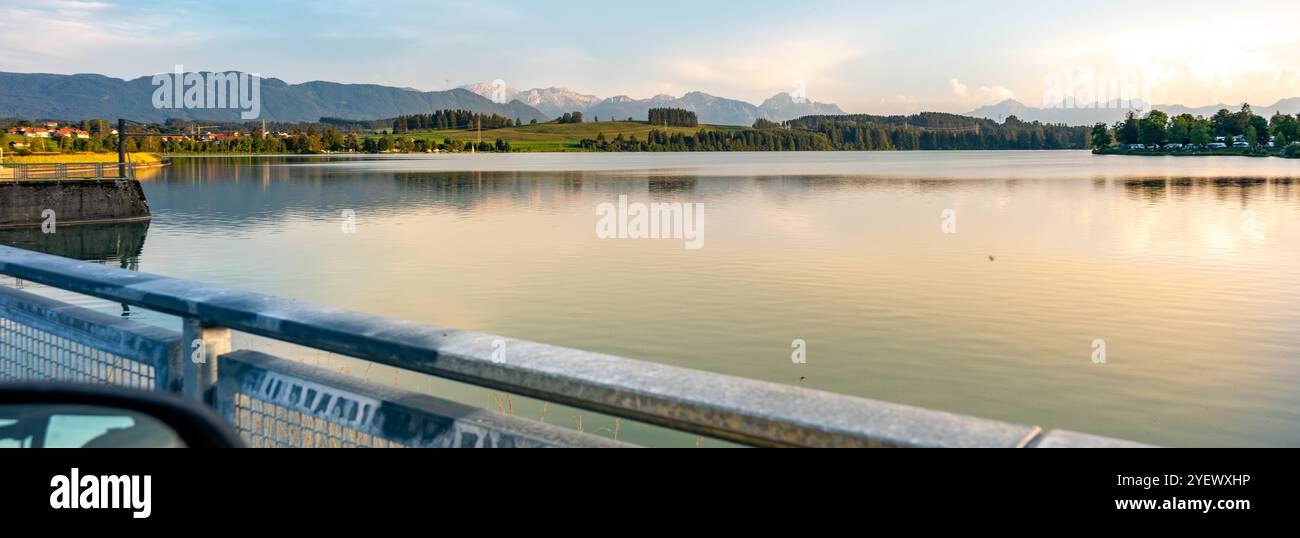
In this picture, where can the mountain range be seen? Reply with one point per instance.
(88, 96)
(710, 109)
(1114, 111)
(91, 96)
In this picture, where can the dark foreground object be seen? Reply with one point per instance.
(76, 415)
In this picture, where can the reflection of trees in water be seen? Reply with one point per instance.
(1243, 189)
(115, 243)
(672, 185)
(785, 188)
(1222, 189)
(245, 194)
(1148, 190)
(242, 193)
(466, 190)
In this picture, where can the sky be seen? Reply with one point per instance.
(866, 56)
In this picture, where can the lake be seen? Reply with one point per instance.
(1155, 299)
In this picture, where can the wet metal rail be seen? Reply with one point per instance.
(277, 402)
(14, 172)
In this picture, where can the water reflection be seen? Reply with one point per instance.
(1188, 269)
(250, 191)
(117, 244)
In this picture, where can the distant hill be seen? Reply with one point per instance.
(1113, 112)
(87, 96)
(709, 108)
(783, 107)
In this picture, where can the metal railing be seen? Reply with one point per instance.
(277, 402)
(44, 339)
(14, 172)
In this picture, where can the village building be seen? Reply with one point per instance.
(69, 132)
(30, 132)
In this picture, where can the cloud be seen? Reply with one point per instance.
(899, 104)
(47, 35)
(1231, 75)
(985, 95)
(759, 72)
(1252, 59)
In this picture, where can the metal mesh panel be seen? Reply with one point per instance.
(61, 171)
(266, 425)
(30, 354)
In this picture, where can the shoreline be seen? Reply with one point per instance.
(157, 160)
(1227, 152)
(165, 156)
(140, 159)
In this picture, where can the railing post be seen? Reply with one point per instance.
(201, 344)
(121, 148)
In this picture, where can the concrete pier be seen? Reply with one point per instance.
(25, 203)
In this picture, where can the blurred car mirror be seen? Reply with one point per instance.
(62, 415)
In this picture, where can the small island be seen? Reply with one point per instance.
(1241, 133)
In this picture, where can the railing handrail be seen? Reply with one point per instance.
(721, 406)
(13, 164)
(62, 171)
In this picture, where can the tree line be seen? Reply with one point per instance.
(674, 117)
(308, 140)
(927, 131)
(938, 131)
(812, 133)
(570, 117)
(708, 140)
(331, 135)
(451, 119)
(1156, 128)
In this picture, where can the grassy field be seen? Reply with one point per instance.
(557, 136)
(70, 158)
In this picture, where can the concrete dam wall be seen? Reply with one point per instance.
(23, 203)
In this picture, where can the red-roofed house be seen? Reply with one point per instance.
(30, 132)
(71, 133)
(221, 136)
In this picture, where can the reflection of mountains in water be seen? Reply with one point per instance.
(118, 243)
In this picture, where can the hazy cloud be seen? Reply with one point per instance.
(985, 95)
(764, 70)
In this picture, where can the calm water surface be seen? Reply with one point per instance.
(1187, 268)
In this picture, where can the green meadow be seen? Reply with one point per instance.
(556, 136)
